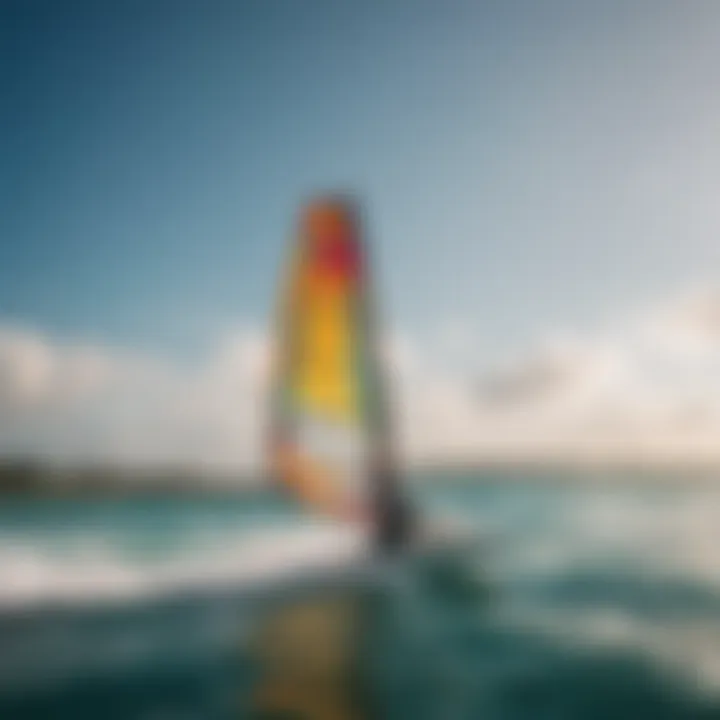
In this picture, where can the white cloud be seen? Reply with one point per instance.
(644, 389)
(25, 368)
(647, 389)
(88, 403)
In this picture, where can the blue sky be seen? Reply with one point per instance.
(155, 154)
(525, 166)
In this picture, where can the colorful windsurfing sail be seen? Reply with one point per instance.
(329, 425)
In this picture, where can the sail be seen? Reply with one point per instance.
(329, 425)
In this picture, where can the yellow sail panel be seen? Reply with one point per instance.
(325, 380)
(319, 428)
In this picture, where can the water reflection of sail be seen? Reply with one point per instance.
(310, 655)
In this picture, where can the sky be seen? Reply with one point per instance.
(539, 183)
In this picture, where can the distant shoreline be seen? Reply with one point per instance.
(31, 478)
(39, 479)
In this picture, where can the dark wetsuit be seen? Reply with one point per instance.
(393, 518)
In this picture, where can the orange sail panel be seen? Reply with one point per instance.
(321, 425)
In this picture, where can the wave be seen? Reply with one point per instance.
(92, 570)
(687, 649)
(657, 532)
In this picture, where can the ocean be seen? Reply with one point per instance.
(584, 597)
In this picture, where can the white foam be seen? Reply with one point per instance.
(94, 570)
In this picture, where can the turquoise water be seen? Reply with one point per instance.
(589, 600)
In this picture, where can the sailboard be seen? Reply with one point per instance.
(330, 435)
